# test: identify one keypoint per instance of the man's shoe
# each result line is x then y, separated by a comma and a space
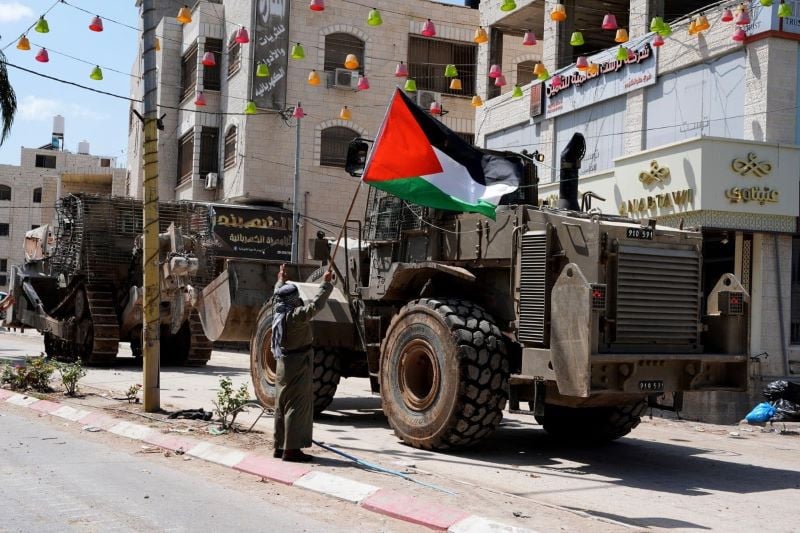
297, 456
277, 453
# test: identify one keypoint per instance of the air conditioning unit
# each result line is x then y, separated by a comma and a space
211, 181
343, 78
426, 98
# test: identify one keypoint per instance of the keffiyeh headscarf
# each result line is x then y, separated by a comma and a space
287, 299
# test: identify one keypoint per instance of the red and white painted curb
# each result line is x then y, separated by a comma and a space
391, 503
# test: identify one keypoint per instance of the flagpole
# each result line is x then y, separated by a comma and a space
344, 224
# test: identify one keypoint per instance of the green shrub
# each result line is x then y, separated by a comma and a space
229, 403
70, 373
34, 375
132, 394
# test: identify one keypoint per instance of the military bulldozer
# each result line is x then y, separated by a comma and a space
578, 318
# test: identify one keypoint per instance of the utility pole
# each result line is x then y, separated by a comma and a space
152, 290
298, 115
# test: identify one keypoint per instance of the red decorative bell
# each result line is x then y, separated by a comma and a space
96, 24
317, 5
242, 36
41, 56
209, 60
428, 29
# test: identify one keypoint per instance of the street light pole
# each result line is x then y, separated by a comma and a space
152, 290
298, 115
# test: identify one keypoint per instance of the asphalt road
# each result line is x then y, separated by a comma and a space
55, 480
668, 475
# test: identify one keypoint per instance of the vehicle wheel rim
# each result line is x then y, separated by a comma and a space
266, 361
418, 375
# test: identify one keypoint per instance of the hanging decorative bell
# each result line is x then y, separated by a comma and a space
298, 52
743, 18
517, 92
401, 71
313, 78
42, 56
500, 81
666, 30
476, 101
656, 24
24, 44
317, 5
42, 26
559, 13
410, 86
529, 39
739, 35
428, 29
298, 111
702, 23
96, 24
363, 83
455, 84
345, 114
508, 5
784, 10
658, 41
250, 108
727, 16
495, 72
622, 36
184, 15
262, 70
351, 62
450, 71
435, 108
242, 37
200, 99
97, 73
556, 83
209, 60
582, 63
622, 54
609, 22
576, 39
481, 37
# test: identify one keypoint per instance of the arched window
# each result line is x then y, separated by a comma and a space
5, 192
234, 55
338, 45
335, 140
525, 72
230, 147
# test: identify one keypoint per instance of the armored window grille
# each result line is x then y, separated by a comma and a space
230, 147
5, 192
525, 72
46, 161
234, 55
189, 72
428, 57
211, 75
338, 45
185, 157
335, 141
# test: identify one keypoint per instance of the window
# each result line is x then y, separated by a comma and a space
189, 72
334, 146
428, 57
5, 192
185, 157
209, 150
211, 74
469, 137
37, 195
525, 72
338, 45
234, 55
3, 270
45, 161
105, 162
795, 318
34, 226
230, 147
3, 229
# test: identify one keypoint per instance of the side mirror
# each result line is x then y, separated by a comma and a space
357, 152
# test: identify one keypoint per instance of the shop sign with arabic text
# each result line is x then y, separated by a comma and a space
251, 233
270, 45
613, 78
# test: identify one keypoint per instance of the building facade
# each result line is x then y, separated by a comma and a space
216, 152
702, 131
28, 191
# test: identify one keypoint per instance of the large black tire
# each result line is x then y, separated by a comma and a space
262, 366
591, 425
326, 377
444, 374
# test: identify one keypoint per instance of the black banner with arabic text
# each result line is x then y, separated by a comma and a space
270, 46
251, 233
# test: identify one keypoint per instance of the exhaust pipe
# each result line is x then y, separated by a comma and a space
571, 157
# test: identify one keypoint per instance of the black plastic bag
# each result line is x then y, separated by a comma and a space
786, 411
782, 390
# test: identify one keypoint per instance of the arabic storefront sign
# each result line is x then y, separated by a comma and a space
252, 233
613, 78
762, 195
270, 43
656, 201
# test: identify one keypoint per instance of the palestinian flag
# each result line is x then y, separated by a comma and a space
418, 159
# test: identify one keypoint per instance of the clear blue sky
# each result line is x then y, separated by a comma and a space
101, 120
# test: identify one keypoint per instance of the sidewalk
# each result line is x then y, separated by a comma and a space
390, 502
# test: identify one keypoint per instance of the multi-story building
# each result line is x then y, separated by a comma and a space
218, 152
697, 128
28, 192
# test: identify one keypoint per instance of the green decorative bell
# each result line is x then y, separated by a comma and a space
42, 26
410, 86
577, 39
450, 71
784, 10
250, 108
298, 52
656, 24
517, 92
543, 75
508, 5
262, 70
622, 54
97, 73
374, 18
666, 30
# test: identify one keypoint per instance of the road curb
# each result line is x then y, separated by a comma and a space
395, 504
